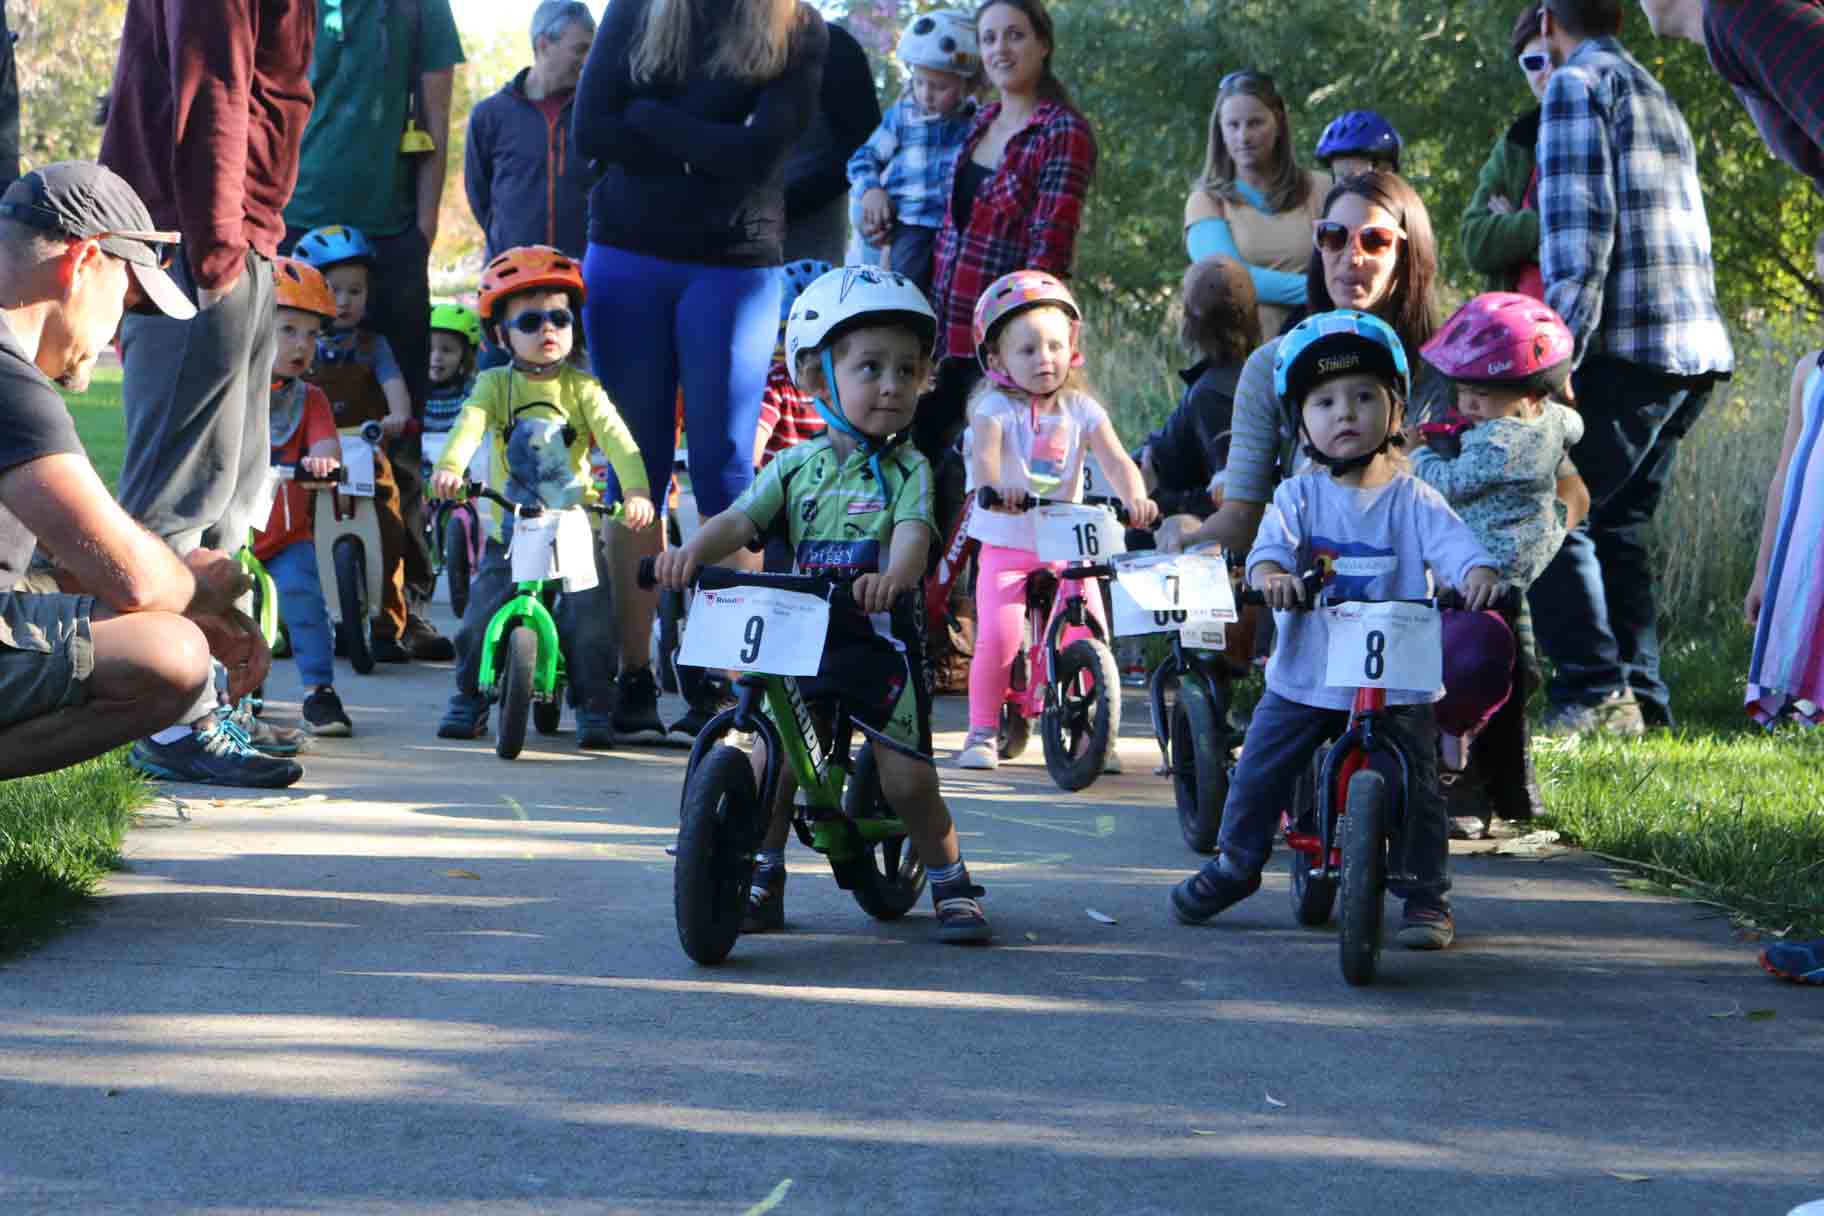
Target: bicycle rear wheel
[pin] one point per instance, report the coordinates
(715, 860)
(1364, 876)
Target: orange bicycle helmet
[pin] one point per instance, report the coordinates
(524, 268)
(302, 286)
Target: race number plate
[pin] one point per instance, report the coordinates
(762, 629)
(1162, 592)
(358, 467)
(557, 544)
(1385, 646)
(1071, 533)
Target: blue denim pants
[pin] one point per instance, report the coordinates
(306, 616)
(1594, 608)
(1282, 736)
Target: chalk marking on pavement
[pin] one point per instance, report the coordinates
(771, 1201)
(1105, 824)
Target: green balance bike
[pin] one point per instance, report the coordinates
(265, 610)
(522, 663)
(839, 810)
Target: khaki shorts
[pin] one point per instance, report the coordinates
(46, 654)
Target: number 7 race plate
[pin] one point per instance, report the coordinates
(1071, 533)
(1162, 592)
(1385, 646)
(761, 629)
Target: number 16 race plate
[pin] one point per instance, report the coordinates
(762, 629)
(1070, 533)
(1389, 645)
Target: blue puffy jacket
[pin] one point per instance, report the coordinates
(526, 184)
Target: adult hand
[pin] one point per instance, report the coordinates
(1498, 204)
(394, 424)
(1751, 607)
(637, 512)
(1170, 536)
(1480, 588)
(207, 297)
(219, 581)
(445, 484)
(237, 645)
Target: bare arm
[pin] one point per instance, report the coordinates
(1232, 526)
(714, 541)
(906, 554)
(1123, 475)
(1575, 495)
(435, 89)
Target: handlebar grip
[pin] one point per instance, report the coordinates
(647, 577)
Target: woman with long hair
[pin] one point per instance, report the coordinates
(687, 111)
(1253, 202)
(1016, 198)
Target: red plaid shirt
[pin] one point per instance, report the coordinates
(787, 416)
(1025, 218)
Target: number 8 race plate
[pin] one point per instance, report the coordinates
(762, 629)
(1389, 645)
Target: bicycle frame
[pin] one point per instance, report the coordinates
(527, 607)
(1068, 610)
(268, 597)
(1351, 753)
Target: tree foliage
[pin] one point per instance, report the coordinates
(65, 57)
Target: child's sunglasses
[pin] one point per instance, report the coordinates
(1534, 61)
(532, 321)
(1373, 239)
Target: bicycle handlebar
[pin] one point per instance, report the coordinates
(839, 591)
(1316, 597)
(474, 489)
(988, 499)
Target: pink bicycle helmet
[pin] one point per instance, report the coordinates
(1502, 337)
(1012, 294)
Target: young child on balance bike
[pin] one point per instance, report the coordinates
(856, 500)
(543, 414)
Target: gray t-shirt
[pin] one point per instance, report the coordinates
(1375, 543)
(33, 423)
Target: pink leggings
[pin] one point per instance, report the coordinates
(1000, 612)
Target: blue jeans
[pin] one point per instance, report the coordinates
(585, 631)
(655, 326)
(912, 250)
(1594, 609)
(1281, 739)
(306, 616)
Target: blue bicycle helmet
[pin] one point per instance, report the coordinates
(798, 276)
(1360, 133)
(332, 245)
(1335, 343)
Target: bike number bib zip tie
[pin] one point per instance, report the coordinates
(759, 629)
(1072, 533)
(1390, 645)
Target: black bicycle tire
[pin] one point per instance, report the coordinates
(519, 655)
(349, 559)
(1078, 772)
(456, 568)
(1200, 772)
(710, 877)
(1364, 832)
(882, 895)
(1313, 897)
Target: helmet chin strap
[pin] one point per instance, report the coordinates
(531, 367)
(838, 421)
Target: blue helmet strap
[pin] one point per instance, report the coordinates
(832, 413)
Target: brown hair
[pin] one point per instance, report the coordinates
(1408, 304)
(1290, 185)
(1050, 87)
(753, 44)
(1526, 27)
(1587, 18)
(1221, 320)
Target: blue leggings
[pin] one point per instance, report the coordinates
(654, 326)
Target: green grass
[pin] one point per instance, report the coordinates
(59, 834)
(100, 422)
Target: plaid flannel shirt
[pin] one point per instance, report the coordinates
(1025, 218)
(1626, 245)
(1772, 53)
(910, 156)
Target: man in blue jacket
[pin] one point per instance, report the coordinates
(526, 184)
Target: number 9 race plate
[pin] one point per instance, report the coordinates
(761, 629)
(1390, 645)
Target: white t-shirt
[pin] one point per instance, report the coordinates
(1042, 453)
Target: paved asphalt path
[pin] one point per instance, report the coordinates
(430, 981)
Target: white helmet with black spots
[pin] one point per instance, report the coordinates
(847, 298)
(943, 41)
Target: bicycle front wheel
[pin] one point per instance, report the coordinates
(1364, 875)
(714, 864)
(1083, 718)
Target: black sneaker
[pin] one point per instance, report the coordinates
(323, 714)
(960, 917)
(765, 901)
(710, 698)
(636, 717)
(266, 738)
(1208, 892)
(218, 754)
(388, 650)
(466, 718)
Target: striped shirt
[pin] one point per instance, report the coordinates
(1772, 54)
(910, 156)
(1626, 251)
(787, 416)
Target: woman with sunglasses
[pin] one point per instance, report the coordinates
(1253, 203)
(1500, 229)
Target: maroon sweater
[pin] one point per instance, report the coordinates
(208, 106)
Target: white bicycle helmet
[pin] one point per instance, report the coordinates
(846, 297)
(943, 41)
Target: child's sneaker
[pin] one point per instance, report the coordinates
(265, 737)
(466, 718)
(979, 750)
(323, 714)
(1111, 763)
(636, 712)
(1426, 926)
(594, 730)
(765, 901)
(1800, 962)
(1209, 891)
(959, 916)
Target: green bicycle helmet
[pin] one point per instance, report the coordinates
(460, 320)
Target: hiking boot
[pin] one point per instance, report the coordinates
(765, 901)
(1800, 962)
(1209, 891)
(466, 718)
(217, 754)
(423, 642)
(1617, 714)
(387, 650)
(979, 750)
(636, 715)
(270, 740)
(960, 918)
(1426, 927)
(324, 715)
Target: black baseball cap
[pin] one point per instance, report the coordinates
(84, 200)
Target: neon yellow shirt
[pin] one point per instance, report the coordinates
(501, 395)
